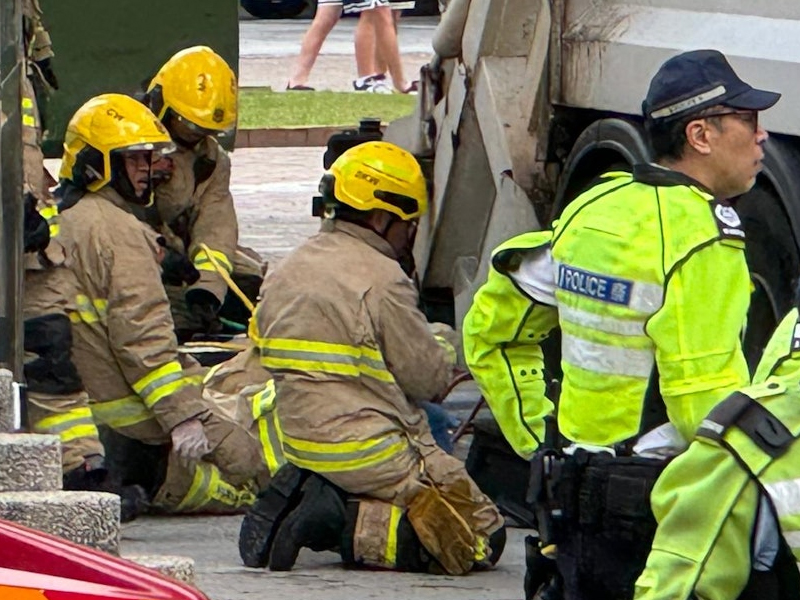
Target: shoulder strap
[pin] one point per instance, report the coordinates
(761, 426)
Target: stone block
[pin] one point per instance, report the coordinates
(88, 518)
(31, 462)
(177, 567)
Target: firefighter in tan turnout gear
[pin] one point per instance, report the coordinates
(352, 357)
(194, 94)
(125, 347)
(56, 401)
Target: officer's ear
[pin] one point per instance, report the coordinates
(698, 133)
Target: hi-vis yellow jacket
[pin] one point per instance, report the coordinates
(340, 330)
(651, 280)
(724, 504)
(125, 347)
(502, 331)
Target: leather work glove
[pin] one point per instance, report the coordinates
(204, 307)
(189, 441)
(176, 268)
(36, 234)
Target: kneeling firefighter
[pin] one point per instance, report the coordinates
(353, 357)
(141, 388)
(194, 94)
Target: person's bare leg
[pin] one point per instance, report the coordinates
(364, 43)
(386, 44)
(326, 17)
(381, 65)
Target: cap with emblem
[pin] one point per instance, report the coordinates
(692, 81)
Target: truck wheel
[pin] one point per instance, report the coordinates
(274, 9)
(774, 264)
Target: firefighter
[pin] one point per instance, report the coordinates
(57, 403)
(125, 347)
(652, 291)
(353, 357)
(737, 487)
(194, 94)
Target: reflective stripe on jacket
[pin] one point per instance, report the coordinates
(713, 558)
(125, 347)
(502, 331)
(651, 274)
(349, 350)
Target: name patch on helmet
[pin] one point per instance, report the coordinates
(594, 285)
(366, 177)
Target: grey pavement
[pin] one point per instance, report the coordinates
(267, 50)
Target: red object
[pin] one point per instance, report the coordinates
(38, 566)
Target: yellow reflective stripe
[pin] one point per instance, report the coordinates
(50, 214)
(28, 121)
(207, 485)
(481, 543)
(211, 372)
(323, 357)
(74, 424)
(269, 432)
(198, 491)
(27, 103)
(123, 412)
(447, 347)
(91, 311)
(342, 456)
(162, 382)
(204, 263)
(390, 553)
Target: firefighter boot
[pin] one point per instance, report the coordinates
(272, 505)
(93, 476)
(316, 523)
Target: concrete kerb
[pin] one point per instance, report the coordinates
(285, 137)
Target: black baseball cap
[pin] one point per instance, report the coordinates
(692, 81)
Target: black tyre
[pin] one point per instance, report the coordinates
(773, 260)
(274, 9)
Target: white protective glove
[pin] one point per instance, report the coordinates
(189, 441)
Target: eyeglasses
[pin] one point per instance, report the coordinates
(750, 117)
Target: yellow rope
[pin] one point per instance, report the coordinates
(224, 274)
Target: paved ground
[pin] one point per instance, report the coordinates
(267, 50)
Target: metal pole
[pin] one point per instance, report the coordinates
(11, 72)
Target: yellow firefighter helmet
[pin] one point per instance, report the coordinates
(105, 124)
(199, 87)
(378, 175)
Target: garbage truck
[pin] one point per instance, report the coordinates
(526, 102)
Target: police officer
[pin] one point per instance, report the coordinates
(353, 357)
(194, 94)
(652, 290)
(737, 487)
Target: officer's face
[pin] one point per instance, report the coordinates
(735, 150)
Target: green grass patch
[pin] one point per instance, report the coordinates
(261, 108)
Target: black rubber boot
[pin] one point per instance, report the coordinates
(497, 543)
(316, 523)
(272, 505)
(93, 476)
